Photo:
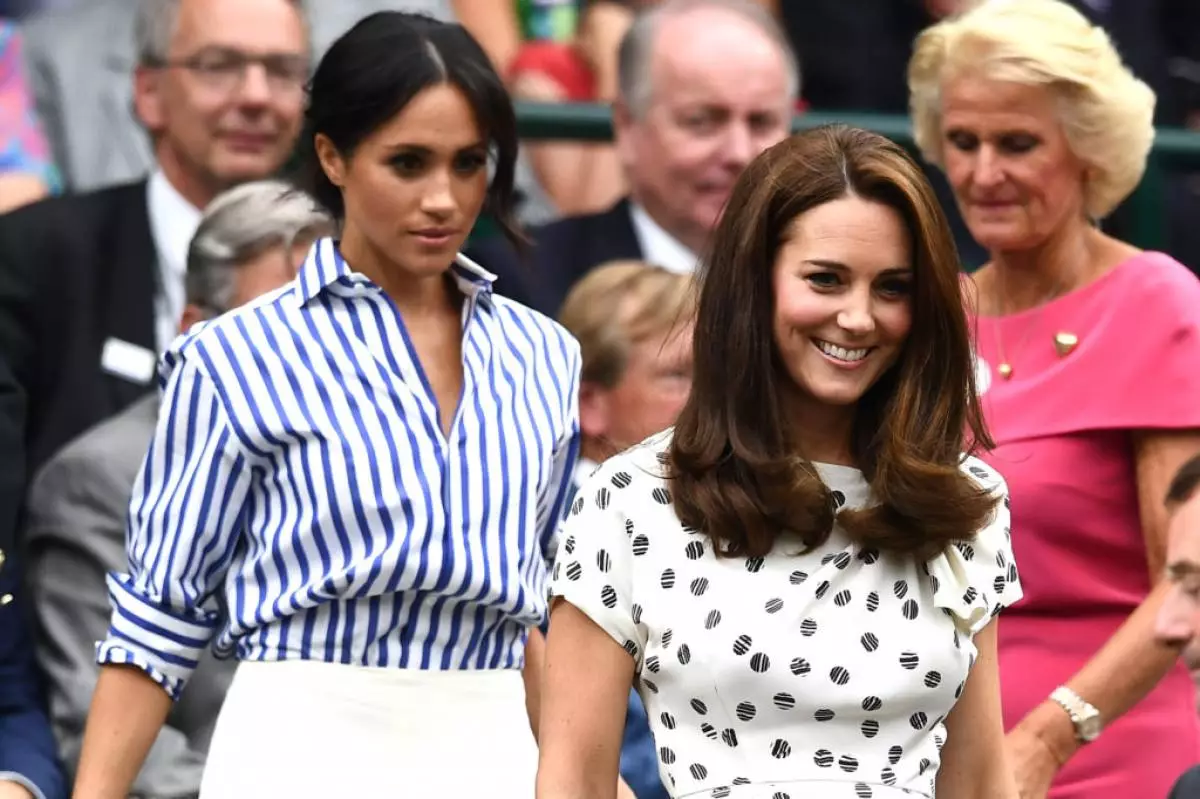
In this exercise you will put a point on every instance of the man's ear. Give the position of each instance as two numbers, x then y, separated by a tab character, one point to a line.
148	98
192	314
624	131
594	411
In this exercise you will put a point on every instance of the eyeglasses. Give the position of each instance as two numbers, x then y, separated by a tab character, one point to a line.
224	70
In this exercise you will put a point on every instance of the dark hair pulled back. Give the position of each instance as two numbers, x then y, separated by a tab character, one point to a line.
375	69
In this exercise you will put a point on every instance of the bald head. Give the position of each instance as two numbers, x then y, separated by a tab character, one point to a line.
706	85
687	33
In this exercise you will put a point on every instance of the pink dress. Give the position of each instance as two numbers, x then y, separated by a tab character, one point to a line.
1062	426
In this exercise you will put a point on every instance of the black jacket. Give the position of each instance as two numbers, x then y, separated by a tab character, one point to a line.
563	251
75	271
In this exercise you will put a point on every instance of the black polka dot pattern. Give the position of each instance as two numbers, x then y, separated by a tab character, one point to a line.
840	661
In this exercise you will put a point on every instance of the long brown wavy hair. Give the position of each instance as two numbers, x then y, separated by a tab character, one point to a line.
736	472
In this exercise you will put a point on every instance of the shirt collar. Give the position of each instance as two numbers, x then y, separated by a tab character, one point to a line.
658	246
584	468
325	267
173	222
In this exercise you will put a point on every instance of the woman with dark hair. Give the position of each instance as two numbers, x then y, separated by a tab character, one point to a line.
800	577
356	479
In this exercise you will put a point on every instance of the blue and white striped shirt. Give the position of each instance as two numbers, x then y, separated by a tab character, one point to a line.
299	499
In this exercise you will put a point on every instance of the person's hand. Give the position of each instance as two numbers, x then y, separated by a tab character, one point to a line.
624	791
1033	763
13	790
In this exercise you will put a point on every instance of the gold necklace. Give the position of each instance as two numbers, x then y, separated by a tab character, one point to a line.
1063	342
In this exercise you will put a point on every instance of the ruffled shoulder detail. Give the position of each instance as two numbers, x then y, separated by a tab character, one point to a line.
974	579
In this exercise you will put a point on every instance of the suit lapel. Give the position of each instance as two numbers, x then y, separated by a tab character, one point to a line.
592	240
615	234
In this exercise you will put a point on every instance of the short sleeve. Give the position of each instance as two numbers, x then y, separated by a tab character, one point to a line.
1134	328
975	579
594	567
1151	339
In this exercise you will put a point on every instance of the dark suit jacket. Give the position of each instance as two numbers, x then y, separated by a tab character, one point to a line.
1188	786
75	271
26	745
12	455
563	251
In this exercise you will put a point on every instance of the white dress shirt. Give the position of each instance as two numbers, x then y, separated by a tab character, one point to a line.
658	246
173	222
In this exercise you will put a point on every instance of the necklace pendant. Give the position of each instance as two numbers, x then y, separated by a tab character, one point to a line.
1065	342
1005	370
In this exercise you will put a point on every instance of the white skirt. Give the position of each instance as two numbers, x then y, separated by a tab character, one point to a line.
298	729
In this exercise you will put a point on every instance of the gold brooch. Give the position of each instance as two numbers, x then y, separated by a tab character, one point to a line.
1064	343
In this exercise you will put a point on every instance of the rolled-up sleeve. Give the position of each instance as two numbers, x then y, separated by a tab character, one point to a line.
184	524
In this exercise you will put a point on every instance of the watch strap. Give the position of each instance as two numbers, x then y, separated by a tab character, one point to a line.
1084	715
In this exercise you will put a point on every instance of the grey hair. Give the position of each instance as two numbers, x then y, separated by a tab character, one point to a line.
238	225
156	23
637	47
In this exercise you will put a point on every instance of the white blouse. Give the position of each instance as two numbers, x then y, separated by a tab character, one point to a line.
821	675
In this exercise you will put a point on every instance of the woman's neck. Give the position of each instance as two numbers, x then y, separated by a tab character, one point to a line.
595	450
1024	279
822	433
410	293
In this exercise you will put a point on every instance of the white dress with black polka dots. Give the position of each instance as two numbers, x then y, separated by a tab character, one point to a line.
795	676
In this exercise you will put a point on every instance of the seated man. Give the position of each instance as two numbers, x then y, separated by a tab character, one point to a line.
91	285
250	241
686	124
1178	623
634	326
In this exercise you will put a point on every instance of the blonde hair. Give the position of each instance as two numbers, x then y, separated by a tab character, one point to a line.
618	304
1106	112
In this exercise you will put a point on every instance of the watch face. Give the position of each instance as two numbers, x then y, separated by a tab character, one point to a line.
1089	728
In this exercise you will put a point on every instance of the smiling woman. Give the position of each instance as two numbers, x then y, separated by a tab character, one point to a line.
835	263
804	572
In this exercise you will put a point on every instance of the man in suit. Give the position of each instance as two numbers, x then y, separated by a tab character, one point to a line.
250	242
633	321
91	285
81	57
686	122
1178	623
